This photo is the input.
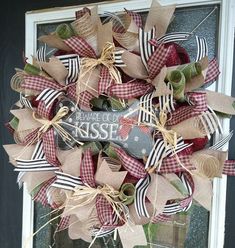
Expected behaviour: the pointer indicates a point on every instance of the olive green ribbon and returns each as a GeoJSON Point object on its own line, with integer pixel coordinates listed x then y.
{"type": "Point", "coordinates": [64, 31]}
{"type": "Point", "coordinates": [127, 193]}
{"type": "Point", "coordinates": [177, 80]}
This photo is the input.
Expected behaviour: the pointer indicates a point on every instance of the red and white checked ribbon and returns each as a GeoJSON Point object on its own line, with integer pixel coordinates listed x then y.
{"type": "Point", "coordinates": [41, 196]}
{"type": "Point", "coordinates": [158, 60]}
{"type": "Point", "coordinates": [213, 71]}
{"type": "Point", "coordinates": [39, 83]}
{"type": "Point", "coordinates": [229, 168]}
{"type": "Point", "coordinates": [130, 89]}
{"type": "Point", "coordinates": [199, 105]}
{"type": "Point", "coordinates": [80, 46]}
{"type": "Point", "coordinates": [132, 165]}
{"type": "Point", "coordinates": [104, 209]}
{"type": "Point", "coordinates": [136, 17]}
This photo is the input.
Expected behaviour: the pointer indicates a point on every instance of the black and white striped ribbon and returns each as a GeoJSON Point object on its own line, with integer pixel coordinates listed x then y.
{"type": "Point", "coordinates": [66, 181]}
{"type": "Point", "coordinates": [166, 102]}
{"type": "Point", "coordinates": [146, 109]}
{"type": "Point", "coordinates": [222, 142]}
{"type": "Point", "coordinates": [37, 162]}
{"type": "Point", "coordinates": [24, 101]}
{"type": "Point", "coordinates": [72, 64]}
{"type": "Point", "coordinates": [215, 117]}
{"type": "Point", "coordinates": [118, 62]}
{"type": "Point", "coordinates": [180, 147]}
{"type": "Point", "coordinates": [34, 165]}
{"type": "Point", "coordinates": [38, 152]}
{"type": "Point", "coordinates": [173, 208]}
{"type": "Point", "coordinates": [116, 218]}
{"type": "Point", "coordinates": [140, 195]}
{"type": "Point", "coordinates": [99, 233]}
{"type": "Point", "coordinates": [202, 48]}
{"type": "Point", "coordinates": [210, 122]}
{"type": "Point", "coordinates": [146, 49]}
{"type": "Point", "coordinates": [160, 151]}
{"type": "Point", "coordinates": [41, 54]}
{"type": "Point", "coordinates": [49, 96]}
{"type": "Point", "coordinates": [174, 37]}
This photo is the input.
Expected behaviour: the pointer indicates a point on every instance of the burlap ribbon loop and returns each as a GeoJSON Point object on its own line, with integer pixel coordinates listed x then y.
{"type": "Point", "coordinates": [106, 59]}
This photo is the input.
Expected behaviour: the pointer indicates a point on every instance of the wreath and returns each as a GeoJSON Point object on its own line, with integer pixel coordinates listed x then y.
{"type": "Point", "coordinates": [113, 129]}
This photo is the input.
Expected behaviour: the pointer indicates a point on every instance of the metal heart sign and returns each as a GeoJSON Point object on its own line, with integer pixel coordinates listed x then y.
{"type": "Point", "coordinates": [105, 126]}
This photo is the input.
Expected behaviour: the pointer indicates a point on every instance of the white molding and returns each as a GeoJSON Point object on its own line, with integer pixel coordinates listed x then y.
{"type": "Point", "coordinates": [226, 34]}
{"type": "Point", "coordinates": [224, 85]}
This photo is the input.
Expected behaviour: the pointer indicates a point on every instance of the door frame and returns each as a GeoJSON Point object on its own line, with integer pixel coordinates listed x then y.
{"type": "Point", "coordinates": [223, 85]}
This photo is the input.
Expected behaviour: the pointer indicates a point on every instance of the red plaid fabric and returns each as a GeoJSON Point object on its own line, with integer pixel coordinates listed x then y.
{"type": "Point", "coordinates": [136, 17]}
{"type": "Point", "coordinates": [161, 218]}
{"type": "Point", "coordinates": [43, 111]}
{"type": "Point", "coordinates": [104, 211]}
{"type": "Point", "coordinates": [105, 81]}
{"type": "Point", "coordinates": [80, 46]}
{"type": "Point", "coordinates": [171, 165]}
{"type": "Point", "coordinates": [84, 100]}
{"type": "Point", "coordinates": [82, 12]}
{"type": "Point", "coordinates": [87, 169]}
{"type": "Point", "coordinates": [213, 71]}
{"type": "Point", "coordinates": [229, 168]}
{"type": "Point", "coordinates": [49, 147]}
{"type": "Point", "coordinates": [158, 60]}
{"type": "Point", "coordinates": [64, 224]}
{"type": "Point", "coordinates": [41, 196]}
{"type": "Point", "coordinates": [185, 112]}
{"type": "Point", "coordinates": [71, 91]}
{"type": "Point", "coordinates": [133, 166]}
{"type": "Point", "coordinates": [130, 89]}
{"type": "Point", "coordinates": [39, 83]}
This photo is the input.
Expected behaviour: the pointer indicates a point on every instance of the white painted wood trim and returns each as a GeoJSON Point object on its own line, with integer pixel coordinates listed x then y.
{"type": "Point", "coordinates": [224, 85]}
{"type": "Point", "coordinates": [226, 28]}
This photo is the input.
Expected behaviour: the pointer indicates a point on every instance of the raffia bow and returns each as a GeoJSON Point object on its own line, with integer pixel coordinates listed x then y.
{"type": "Point", "coordinates": [86, 195]}
{"type": "Point", "coordinates": [56, 124]}
{"type": "Point", "coordinates": [106, 59]}
{"type": "Point", "coordinates": [169, 136]}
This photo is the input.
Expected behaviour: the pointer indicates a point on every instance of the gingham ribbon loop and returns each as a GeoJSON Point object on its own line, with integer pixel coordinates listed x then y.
{"type": "Point", "coordinates": [106, 59]}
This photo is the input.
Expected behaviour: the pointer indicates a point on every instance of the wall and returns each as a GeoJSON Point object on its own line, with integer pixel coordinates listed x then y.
{"type": "Point", "coordinates": [11, 49]}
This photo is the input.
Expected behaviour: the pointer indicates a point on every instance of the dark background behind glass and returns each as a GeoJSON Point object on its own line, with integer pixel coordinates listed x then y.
{"type": "Point", "coordinates": [12, 40]}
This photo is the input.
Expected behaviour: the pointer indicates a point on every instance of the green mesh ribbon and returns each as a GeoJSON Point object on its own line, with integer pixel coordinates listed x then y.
{"type": "Point", "coordinates": [64, 31]}
{"type": "Point", "coordinates": [177, 80]}
{"type": "Point", "coordinates": [31, 69]}
{"type": "Point", "coordinates": [14, 122]}
{"type": "Point", "coordinates": [109, 151]}
{"type": "Point", "coordinates": [34, 192]}
{"type": "Point", "coordinates": [127, 193]}
{"type": "Point", "coordinates": [115, 103]}
{"type": "Point", "coordinates": [191, 70]}
{"type": "Point", "coordinates": [95, 147]}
